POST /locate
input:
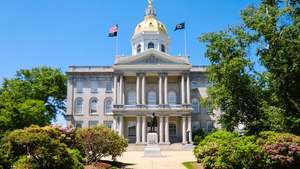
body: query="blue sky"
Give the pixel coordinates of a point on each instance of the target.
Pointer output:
(60, 33)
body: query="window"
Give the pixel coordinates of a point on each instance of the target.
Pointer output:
(94, 86)
(78, 124)
(79, 86)
(131, 98)
(172, 99)
(210, 125)
(93, 123)
(139, 48)
(78, 105)
(131, 129)
(195, 105)
(93, 106)
(150, 45)
(108, 124)
(163, 48)
(172, 129)
(108, 87)
(152, 98)
(108, 106)
(196, 125)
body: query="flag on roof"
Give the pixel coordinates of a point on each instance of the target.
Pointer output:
(180, 26)
(113, 31)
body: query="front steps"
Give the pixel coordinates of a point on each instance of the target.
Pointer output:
(163, 147)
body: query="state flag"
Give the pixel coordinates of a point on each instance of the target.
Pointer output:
(180, 26)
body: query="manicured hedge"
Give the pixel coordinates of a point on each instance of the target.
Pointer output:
(228, 150)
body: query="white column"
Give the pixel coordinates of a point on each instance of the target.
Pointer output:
(190, 129)
(138, 129)
(137, 89)
(166, 89)
(143, 90)
(115, 90)
(188, 85)
(183, 130)
(182, 90)
(160, 90)
(167, 141)
(115, 125)
(161, 130)
(144, 122)
(121, 125)
(121, 90)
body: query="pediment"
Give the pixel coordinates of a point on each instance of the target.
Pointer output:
(153, 57)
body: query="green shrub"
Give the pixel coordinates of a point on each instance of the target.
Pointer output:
(98, 142)
(226, 150)
(198, 135)
(42, 148)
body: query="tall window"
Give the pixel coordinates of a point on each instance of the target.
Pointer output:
(152, 98)
(78, 124)
(195, 105)
(139, 48)
(108, 87)
(93, 106)
(108, 124)
(172, 99)
(108, 106)
(210, 125)
(79, 86)
(131, 97)
(163, 48)
(150, 45)
(94, 86)
(78, 105)
(93, 123)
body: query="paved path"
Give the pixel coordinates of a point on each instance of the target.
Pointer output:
(171, 160)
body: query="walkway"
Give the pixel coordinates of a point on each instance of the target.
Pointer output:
(171, 160)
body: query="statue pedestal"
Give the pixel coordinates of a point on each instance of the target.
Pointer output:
(152, 149)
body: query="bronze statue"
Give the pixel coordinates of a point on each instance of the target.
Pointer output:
(153, 123)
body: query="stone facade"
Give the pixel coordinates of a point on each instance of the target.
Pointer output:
(125, 96)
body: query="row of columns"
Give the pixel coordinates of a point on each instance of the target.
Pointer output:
(140, 89)
(141, 129)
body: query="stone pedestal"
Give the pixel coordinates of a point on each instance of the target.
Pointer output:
(152, 149)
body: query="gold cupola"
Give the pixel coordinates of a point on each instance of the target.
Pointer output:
(150, 28)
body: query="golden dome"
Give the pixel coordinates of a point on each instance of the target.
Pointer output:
(150, 23)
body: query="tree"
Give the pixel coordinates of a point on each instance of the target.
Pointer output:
(32, 97)
(233, 88)
(259, 100)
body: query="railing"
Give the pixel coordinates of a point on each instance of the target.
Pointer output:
(154, 107)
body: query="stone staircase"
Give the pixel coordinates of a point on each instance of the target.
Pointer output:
(166, 147)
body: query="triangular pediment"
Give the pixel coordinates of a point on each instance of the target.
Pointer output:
(152, 57)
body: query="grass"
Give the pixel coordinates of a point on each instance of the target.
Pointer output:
(192, 165)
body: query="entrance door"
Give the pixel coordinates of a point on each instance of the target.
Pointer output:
(173, 132)
(131, 131)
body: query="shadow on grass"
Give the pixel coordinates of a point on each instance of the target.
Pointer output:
(192, 165)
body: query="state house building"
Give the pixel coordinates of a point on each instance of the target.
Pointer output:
(125, 96)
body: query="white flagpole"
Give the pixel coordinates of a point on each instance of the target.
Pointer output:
(117, 45)
(185, 43)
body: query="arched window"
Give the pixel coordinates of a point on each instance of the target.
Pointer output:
(152, 98)
(172, 99)
(138, 48)
(131, 98)
(78, 105)
(195, 105)
(108, 106)
(150, 45)
(93, 105)
(163, 48)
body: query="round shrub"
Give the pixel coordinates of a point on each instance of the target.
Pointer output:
(98, 142)
(41, 147)
(282, 149)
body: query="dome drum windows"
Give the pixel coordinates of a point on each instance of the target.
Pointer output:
(150, 45)
(163, 48)
(139, 48)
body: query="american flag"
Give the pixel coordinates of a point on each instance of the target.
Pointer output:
(113, 31)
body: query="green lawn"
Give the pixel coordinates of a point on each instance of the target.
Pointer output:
(189, 164)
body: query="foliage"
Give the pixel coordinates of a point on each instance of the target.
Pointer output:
(198, 135)
(98, 142)
(246, 96)
(32, 97)
(189, 164)
(41, 147)
(283, 149)
(269, 150)
(225, 150)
